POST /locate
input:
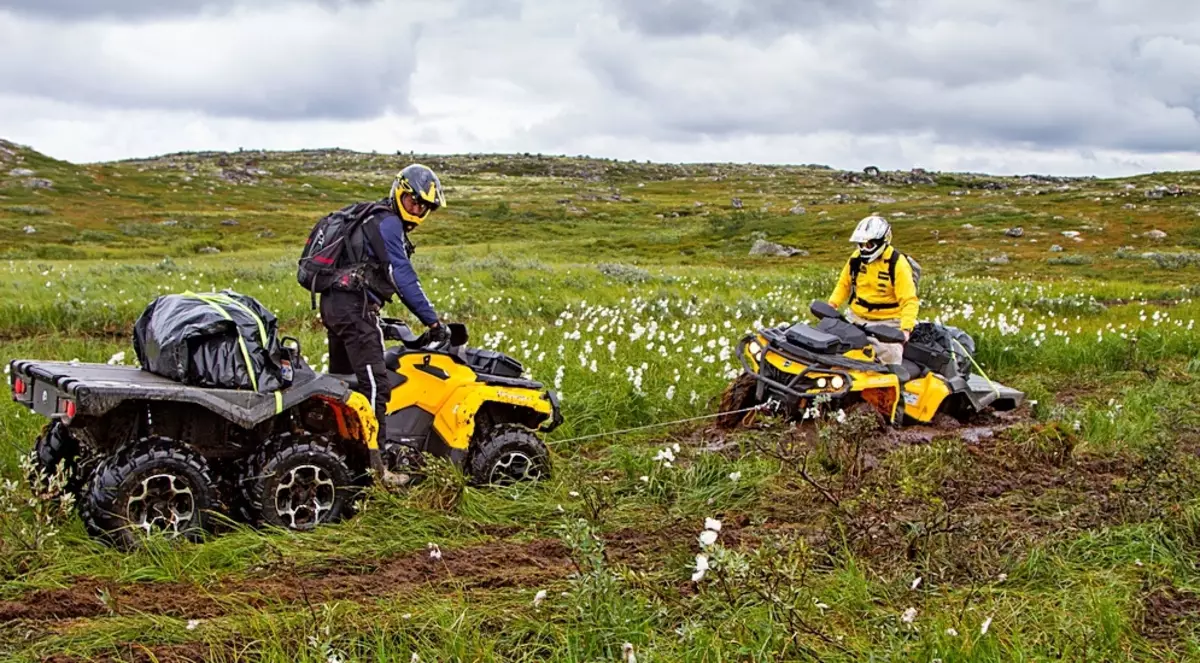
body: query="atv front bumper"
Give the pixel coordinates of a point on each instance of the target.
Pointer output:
(556, 418)
(792, 391)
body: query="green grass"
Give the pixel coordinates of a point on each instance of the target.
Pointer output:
(1066, 529)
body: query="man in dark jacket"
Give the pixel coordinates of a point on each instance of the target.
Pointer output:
(350, 309)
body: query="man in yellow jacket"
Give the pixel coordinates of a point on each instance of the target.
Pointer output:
(878, 282)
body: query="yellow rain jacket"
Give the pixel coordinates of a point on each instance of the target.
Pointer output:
(874, 296)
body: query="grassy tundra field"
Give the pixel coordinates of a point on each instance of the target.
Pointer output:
(1067, 530)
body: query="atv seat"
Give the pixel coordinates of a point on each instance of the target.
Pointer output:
(394, 379)
(907, 370)
(914, 369)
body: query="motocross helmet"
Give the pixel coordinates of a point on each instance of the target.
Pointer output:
(872, 235)
(425, 190)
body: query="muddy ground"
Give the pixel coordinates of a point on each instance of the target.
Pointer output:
(1001, 496)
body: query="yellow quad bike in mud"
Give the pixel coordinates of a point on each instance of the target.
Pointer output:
(144, 453)
(834, 361)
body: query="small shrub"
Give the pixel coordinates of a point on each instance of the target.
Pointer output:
(624, 273)
(29, 210)
(1072, 259)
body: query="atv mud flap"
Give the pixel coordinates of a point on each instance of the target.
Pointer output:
(983, 393)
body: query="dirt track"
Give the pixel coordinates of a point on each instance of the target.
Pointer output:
(486, 566)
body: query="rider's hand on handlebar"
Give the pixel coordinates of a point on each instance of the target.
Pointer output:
(438, 333)
(907, 334)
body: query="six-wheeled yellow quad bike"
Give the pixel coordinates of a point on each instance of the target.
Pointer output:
(145, 453)
(834, 362)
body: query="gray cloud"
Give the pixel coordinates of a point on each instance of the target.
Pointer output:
(1073, 83)
(83, 10)
(281, 65)
(1083, 76)
(672, 18)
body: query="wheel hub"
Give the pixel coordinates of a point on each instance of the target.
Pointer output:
(512, 467)
(305, 496)
(162, 502)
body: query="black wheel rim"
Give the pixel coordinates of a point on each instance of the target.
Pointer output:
(162, 503)
(304, 496)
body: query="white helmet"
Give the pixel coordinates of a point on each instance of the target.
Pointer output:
(872, 235)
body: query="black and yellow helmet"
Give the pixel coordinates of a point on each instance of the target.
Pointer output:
(425, 188)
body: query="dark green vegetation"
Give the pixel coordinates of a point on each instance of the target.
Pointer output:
(1070, 529)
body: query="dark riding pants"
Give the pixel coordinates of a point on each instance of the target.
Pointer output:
(356, 346)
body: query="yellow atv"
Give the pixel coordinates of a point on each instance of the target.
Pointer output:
(467, 404)
(801, 365)
(144, 453)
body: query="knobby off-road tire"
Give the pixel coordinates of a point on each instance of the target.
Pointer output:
(53, 446)
(152, 485)
(504, 455)
(738, 395)
(299, 481)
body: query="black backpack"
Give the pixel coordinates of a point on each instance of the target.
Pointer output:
(327, 251)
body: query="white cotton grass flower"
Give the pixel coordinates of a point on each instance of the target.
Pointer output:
(987, 623)
(644, 478)
(539, 597)
(415, 658)
(118, 358)
(708, 537)
(192, 624)
(735, 476)
(909, 616)
(435, 552)
(952, 632)
(627, 655)
(712, 524)
(916, 583)
(820, 605)
(701, 567)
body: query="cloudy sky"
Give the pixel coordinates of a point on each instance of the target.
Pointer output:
(1011, 86)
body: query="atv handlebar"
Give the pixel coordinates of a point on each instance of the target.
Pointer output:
(822, 309)
(398, 330)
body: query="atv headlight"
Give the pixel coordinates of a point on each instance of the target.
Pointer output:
(821, 382)
(755, 348)
(837, 382)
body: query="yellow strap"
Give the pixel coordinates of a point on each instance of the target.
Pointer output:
(278, 402)
(241, 341)
(262, 330)
(995, 389)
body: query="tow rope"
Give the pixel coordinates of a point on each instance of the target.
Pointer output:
(761, 406)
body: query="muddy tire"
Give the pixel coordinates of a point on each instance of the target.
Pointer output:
(55, 446)
(153, 485)
(299, 482)
(505, 455)
(403, 459)
(739, 395)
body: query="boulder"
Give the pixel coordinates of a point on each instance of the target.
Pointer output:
(20, 172)
(39, 183)
(798, 210)
(209, 249)
(736, 202)
(1015, 232)
(762, 247)
(29, 230)
(1156, 234)
(1070, 233)
(1056, 249)
(1001, 259)
(229, 222)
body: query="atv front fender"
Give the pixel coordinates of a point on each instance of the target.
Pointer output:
(455, 421)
